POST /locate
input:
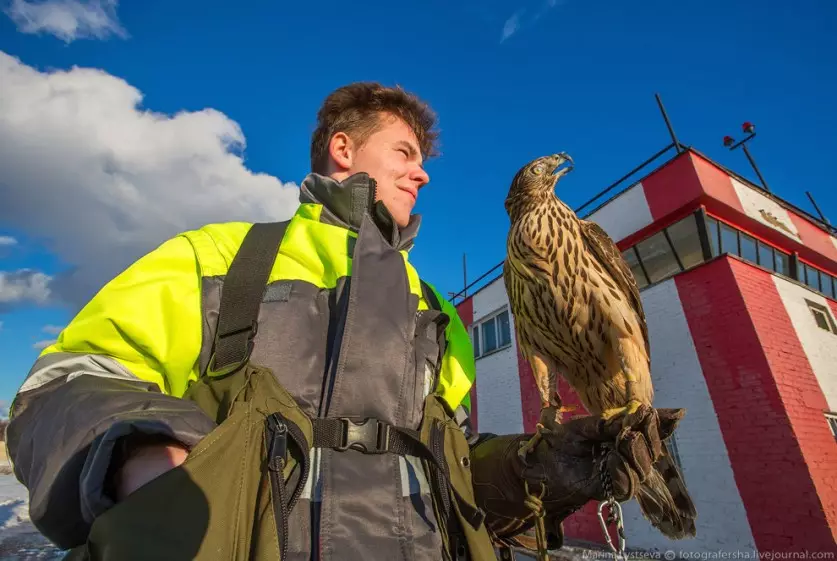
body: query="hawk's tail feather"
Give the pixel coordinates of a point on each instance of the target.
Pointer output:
(665, 501)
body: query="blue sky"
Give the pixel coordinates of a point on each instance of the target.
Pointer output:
(510, 81)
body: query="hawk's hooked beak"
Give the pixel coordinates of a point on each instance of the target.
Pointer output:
(559, 159)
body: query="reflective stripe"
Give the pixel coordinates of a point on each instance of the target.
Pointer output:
(313, 490)
(148, 319)
(413, 478)
(59, 364)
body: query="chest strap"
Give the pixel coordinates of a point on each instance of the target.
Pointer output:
(373, 436)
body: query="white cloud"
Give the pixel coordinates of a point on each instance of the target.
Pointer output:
(41, 345)
(23, 287)
(6, 241)
(511, 26)
(67, 19)
(517, 21)
(104, 181)
(52, 329)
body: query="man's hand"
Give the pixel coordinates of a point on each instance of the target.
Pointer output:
(568, 463)
(142, 460)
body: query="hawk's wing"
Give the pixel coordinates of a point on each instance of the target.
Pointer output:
(609, 257)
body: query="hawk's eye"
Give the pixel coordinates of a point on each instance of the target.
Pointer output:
(538, 169)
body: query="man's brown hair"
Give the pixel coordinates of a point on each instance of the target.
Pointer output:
(356, 109)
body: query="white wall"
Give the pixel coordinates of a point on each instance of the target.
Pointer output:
(624, 215)
(679, 382)
(764, 209)
(499, 408)
(820, 346)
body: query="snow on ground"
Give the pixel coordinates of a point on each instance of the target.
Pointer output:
(19, 540)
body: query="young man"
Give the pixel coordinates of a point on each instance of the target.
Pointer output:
(185, 414)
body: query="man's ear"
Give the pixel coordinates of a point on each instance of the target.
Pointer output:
(341, 149)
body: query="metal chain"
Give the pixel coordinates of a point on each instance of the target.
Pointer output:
(615, 512)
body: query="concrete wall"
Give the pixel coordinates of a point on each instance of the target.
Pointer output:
(624, 215)
(498, 382)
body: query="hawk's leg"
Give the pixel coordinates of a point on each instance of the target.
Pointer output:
(633, 404)
(551, 405)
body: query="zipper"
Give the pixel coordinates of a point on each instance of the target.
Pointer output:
(277, 454)
(437, 447)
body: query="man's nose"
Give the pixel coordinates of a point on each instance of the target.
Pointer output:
(420, 176)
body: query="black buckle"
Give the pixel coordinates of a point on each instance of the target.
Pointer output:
(230, 368)
(369, 436)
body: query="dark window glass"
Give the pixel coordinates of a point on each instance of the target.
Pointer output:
(832, 422)
(820, 318)
(782, 263)
(713, 233)
(825, 284)
(658, 258)
(684, 236)
(729, 240)
(629, 255)
(765, 256)
(503, 326)
(489, 336)
(812, 277)
(475, 339)
(748, 247)
(833, 292)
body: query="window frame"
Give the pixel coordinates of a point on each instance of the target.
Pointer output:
(815, 308)
(831, 419)
(480, 326)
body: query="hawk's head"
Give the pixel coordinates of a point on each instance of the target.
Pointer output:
(536, 180)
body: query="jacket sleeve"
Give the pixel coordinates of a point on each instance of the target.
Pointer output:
(119, 368)
(458, 370)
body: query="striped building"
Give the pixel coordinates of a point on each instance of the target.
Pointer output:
(739, 292)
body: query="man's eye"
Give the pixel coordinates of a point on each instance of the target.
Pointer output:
(404, 151)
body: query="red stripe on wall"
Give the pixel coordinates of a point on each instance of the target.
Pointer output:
(754, 364)
(819, 249)
(717, 185)
(672, 187)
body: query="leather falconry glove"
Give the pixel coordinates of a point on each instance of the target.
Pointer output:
(568, 463)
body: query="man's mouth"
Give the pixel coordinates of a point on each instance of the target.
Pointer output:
(411, 192)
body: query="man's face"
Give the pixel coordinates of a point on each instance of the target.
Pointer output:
(391, 156)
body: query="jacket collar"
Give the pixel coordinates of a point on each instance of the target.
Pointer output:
(345, 204)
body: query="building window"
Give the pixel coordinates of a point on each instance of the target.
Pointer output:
(491, 333)
(630, 257)
(832, 423)
(657, 257)
(666, 253)
(684, 237)
(821, 316)
(732, 240)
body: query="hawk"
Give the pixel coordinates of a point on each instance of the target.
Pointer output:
(577, 313)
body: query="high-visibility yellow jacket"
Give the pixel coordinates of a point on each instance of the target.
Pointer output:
(123, 363)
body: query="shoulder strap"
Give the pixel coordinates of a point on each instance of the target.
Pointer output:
(241, 296)
(430, 296)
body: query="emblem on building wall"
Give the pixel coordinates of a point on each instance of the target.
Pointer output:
(767, 215)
